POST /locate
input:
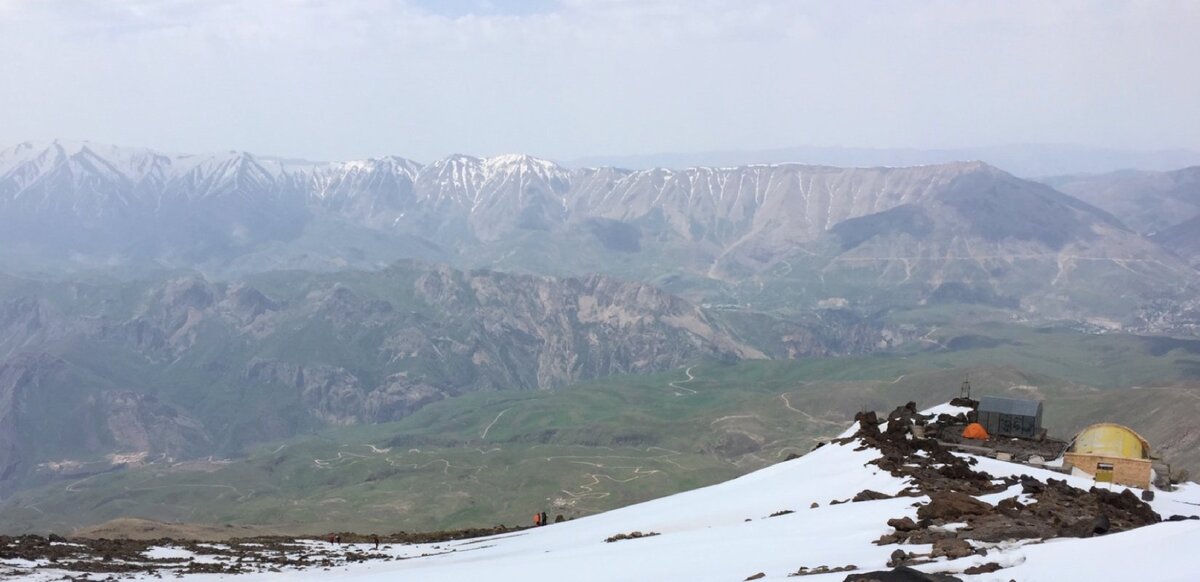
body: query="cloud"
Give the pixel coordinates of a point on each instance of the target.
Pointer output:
(322, 78)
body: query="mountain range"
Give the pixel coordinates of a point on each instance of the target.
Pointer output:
(788, 236)
(1164, 206)
(1028, 160)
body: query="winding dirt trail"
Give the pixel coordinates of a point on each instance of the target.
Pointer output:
(484, 434)
(676, 385)
(787, 404)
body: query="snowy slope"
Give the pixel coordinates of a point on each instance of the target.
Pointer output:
(723, 532)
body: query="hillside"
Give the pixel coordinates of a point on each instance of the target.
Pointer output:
(913, 504)
(1162, 205)
(484, 458)
(1147, 201)
(182, 366)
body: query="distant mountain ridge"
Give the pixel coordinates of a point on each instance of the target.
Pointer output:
(1164, 206)
(1025, 160)
(490, 197)
(1149, 202)
(784, 236)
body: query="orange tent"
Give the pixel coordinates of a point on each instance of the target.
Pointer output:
(975, 431)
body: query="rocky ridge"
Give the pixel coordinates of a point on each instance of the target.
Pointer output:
(957, 523)
(962, 231)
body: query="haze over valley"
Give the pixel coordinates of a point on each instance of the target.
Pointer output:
(163, 307)
(711, 290)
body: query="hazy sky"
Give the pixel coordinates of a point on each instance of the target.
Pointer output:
(339, 79)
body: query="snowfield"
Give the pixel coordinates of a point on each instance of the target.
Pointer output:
(724, 533)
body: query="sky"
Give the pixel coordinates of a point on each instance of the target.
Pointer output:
(345, 79)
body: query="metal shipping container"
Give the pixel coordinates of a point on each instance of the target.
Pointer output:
(1011, 417)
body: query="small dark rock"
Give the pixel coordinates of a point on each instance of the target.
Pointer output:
(951, 505)
(869, 495)
(631, 536)
(964, 402)
(1079, 529)
(891, 538)
(952, 549)
(1010, 507)
(987, 568)
(900, 575)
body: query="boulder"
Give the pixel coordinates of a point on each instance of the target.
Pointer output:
(952, 549)
(987, 568)
(869, 495)
(1078, 529)
(952, 505)
(1010, 507)
(901, 574)
(964, 402)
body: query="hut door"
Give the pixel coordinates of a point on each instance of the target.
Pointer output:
(1104, 473)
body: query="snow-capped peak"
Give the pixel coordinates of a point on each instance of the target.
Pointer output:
(509, 163)
(392, 164)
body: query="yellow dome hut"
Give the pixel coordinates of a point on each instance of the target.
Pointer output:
(1111, 452)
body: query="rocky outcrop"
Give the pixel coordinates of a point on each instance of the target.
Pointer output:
(570, 329)
(335, 396)
(332, 394)
(1043, 510)
(141, 423)
(398, 397)
(47, 404)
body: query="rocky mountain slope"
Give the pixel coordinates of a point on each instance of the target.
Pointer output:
(1148, 202)
(1162, 205)
(785, 236)
(188, 366)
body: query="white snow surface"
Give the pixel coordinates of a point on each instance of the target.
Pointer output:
(723, 532)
